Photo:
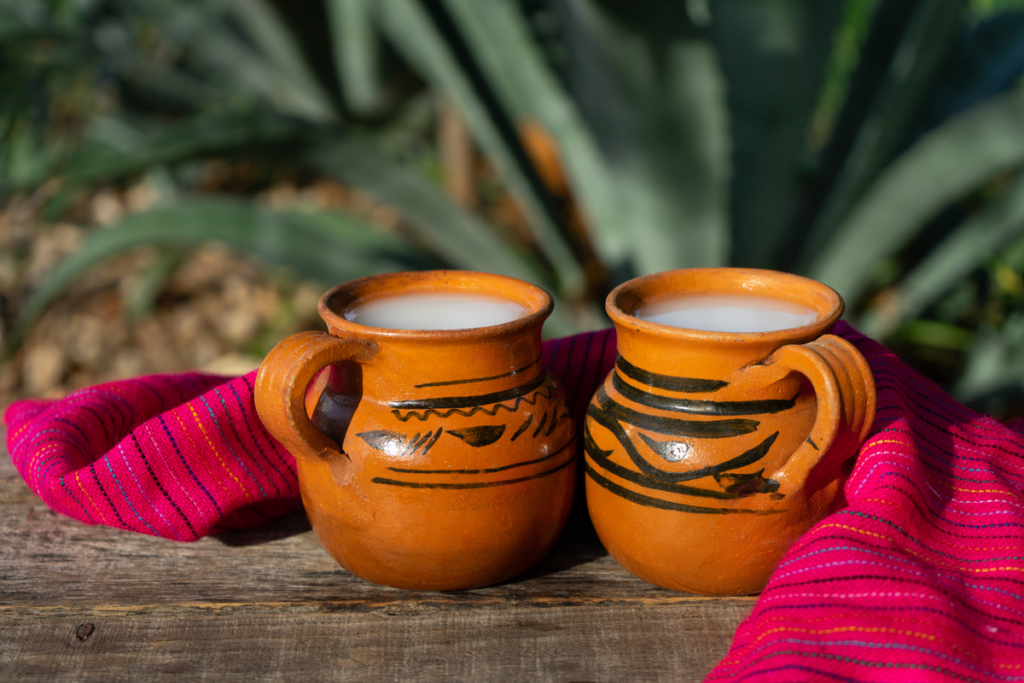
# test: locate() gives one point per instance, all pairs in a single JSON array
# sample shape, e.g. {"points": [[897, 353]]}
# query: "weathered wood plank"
{"points": [[7, 468], [50, 560], [13, 490], [270, 604], [597, 643]]}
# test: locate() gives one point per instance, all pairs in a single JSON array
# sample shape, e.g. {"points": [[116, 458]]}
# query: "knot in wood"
{"points": [[84, 631]]}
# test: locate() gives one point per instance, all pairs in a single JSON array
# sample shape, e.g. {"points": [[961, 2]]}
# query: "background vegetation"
{"points": [[876, 145]]}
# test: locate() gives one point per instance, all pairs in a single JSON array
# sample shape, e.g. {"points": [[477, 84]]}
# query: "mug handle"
{"points": [[846, 401], [281, 385]]}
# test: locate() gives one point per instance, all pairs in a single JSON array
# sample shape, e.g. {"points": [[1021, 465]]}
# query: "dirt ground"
{"points": [[218, 310]]}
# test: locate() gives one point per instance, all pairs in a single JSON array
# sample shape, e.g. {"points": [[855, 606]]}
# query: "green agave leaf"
{"points": [[994, 363], [97, 159], [202, 134], [267, 67], [242, 67], [171, 84], [942, 166], [328, 247], [938, 335], [772, 55], [277, 46], [414, 34], [967, 248], [457, 236], [356, 52], [25, 160], [987, 59], [649, 85], [116, 38], [140, 299], [871, 136], [512, 61]]}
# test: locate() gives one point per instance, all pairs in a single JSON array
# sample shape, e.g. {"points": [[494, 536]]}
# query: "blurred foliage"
{"points": [[875, 145]]}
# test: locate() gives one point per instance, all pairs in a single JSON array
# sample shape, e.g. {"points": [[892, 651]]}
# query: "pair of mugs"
{"points": [[447, 459]]}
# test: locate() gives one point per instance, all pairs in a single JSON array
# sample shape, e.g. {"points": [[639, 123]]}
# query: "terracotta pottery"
{"points": [[709, 453], [444, 459]]}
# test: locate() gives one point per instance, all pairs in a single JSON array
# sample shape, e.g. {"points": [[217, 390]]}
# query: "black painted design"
{"points": [[743, 460], [433, 440], [469, 485], [478, 437], [411, 444], [612, 415], [523, 427], [746, 484], [554, 422], [540, 426], [602, 459], [480, 379], [470, 401], [686, 385], [426, 437], [694, 407], [649, 501], [673, 451], [383, 440], [489, 470], [547, 392], [395, 443], [701, 429], [813, 445], [511, 401]]}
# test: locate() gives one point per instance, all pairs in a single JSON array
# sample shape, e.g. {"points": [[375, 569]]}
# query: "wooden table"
{"points": [[94, 603]]}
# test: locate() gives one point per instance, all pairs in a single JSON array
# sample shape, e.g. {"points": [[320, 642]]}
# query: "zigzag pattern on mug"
{"points": [[547, 392]]}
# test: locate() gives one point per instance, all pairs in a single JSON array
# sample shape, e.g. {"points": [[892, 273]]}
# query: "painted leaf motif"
{"points": [[479, 437], [746, 484], [673, 451], [383, 440]]}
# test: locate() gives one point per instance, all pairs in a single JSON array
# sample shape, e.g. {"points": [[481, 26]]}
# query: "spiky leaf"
{"points": [[330, 247], [943, 165]]}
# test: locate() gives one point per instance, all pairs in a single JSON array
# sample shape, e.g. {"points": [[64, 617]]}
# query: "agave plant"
{"points": [[874, 145]]}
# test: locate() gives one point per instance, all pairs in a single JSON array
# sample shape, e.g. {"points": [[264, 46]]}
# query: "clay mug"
{"points": [[444, 459], [709, 453]]}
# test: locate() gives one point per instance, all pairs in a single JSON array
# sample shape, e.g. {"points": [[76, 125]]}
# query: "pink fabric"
{"points": [[178, 456], [921, 577], [183, 456]]}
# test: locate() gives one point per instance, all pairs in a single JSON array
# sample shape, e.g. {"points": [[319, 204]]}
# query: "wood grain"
{"points": [[605, 642], [81, 602]]}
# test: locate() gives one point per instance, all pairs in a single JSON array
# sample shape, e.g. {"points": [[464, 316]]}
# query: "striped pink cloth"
{"points": [[178, 456], [183, 456], [920, 578]]}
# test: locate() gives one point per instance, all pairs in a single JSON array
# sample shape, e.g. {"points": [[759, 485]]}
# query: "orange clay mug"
{"points": [[456, 465], [709, 453]]}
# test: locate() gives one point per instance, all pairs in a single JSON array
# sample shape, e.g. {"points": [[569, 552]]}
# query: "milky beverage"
{"points": [[435, 311], [727, 313]]}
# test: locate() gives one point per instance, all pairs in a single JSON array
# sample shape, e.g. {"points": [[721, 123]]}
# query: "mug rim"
{"points": [[755, 281], [339, 298]]}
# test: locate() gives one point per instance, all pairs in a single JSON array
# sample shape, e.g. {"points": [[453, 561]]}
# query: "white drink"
{"points": [[727, 313], [435, 311]]}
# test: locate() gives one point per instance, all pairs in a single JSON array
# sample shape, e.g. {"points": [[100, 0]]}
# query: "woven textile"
{"points": [[921, 577], [183, 456], [178, 456]]}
